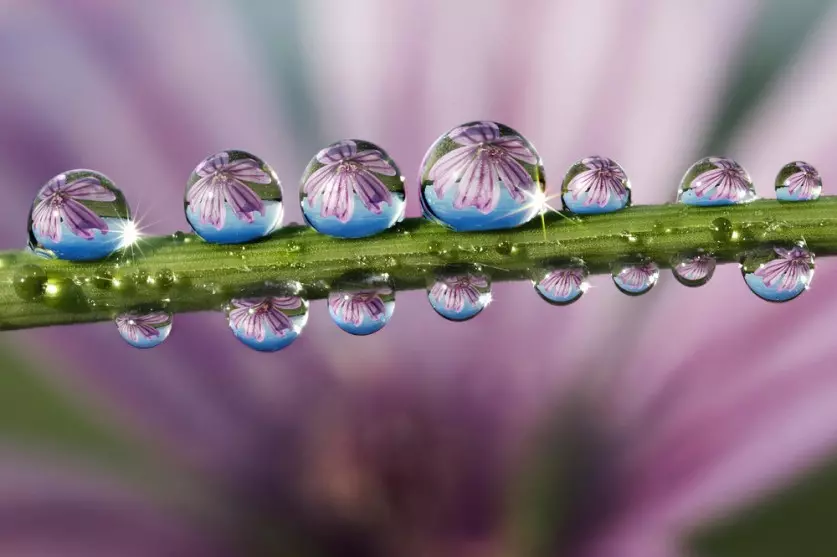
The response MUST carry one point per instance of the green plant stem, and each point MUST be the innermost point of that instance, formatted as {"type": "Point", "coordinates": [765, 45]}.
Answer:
{"type": "Point", "coordinates": [183, 273]}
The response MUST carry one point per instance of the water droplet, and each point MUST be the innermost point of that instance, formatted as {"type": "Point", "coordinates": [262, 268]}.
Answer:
{"type": "Point", "coordinates": [144, 329]}
{"type": "Point", "coordinates": [233, 197]}
{"type": "Point", "coordinates": [361, 304]}
{"type": "Point", "coordinates": [29, 282]}
{"type": "Point", "coordinates": [164, 279]}
{"type": "Point", "coordinates": [352, 189]}
{"type": "Point", "coordinates": [798, 181]}
{"type": "Point", "coordinates": [505, 248]}
{"type": "Point", "coordinates": [722, 230]}
{"type": "Point", "coordinates": [595, 185]}
{"type": "Point", "coordinates": [660, 229]}
{"type": "Point", "coordinates": [563, 284]}
{"type": "Point", "coordinates": [635, 278]}
{"type": "Point", "coordinates": [713, 181]}
{"type": "Point", "coordinates": [693, 269]}
{"type": "Point", "coordinates": [80, 215]}
{"type": "Point", "coordinates": [103, 279]}
{"type": "Point", "coordinates": [294, 247]}
{"type": "Point", "coordinates": [435, 248]}
{"type": "Point", "coordinates": [64, 294]}
{"type": "Point", "coordinates": [459, 293]}
{"type": "Point", "coordinates": [780, 273]}
{"type": "Point", "coordinates": [178, 236]}
{"type": "Point", "coordinates": [482, 176]}
{"type": "Point", "coordinates": [7, 259]}
{"type": "Point", "coordinates": [269, 323]}
{"type": "Point", "coordinates": [629, 238]}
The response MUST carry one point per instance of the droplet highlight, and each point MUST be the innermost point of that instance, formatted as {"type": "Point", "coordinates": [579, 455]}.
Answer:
{"type": "Point", "coordinates": [144, 329]}
{"type": "Point", "coordinates": [482, 176]}
{"type": "Point", "coordinates": [780, 273]}
{"type": "Point", "coordinates": [233, 197]}
{"type": "Point", "coordinates": [595, 185]}
{"type": "Point", "coordinates": [459, 294]}
{"type": "Point", "coordinates": [635, 278]}
{"type": "Point", "coordinates": [693, 270]}
{"type": "Point", "coordinates": [715, 181]}
{"type": "Point", "coordinates": [352, 189]}
{"type": "Point", "coordinates": [798, 181]}
{"type": "Point", "coordinates": [30, 282]}
{"type": "Point", "coordinates": [268, 323]}
{"type": "Point", "coordinates": [563, 284]}
{"type": "Point", "coordinates": [362, 305]}
{"type": "Point", "coordinates": [79, 215]}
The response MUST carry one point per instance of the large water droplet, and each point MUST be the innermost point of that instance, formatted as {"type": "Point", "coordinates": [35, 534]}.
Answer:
{"type": "Point", "coordinates": [459, 293]}
{"type": "Point", "coordinates": [595, 185]}
{"type": "Point", "coordinates": [30, 282]}
{"type": "Point", "coordinates": [563, 284]}
{"type": "Point", "coordinates": [352, 189]}
{"type": "Point", "coordinates": [144, 329]}
{"type": "Point", "coordinates": [798, 181]}
{"type": "Point", "coordinates": [269, 323]}
{"type": "Point", "coordinates": [362, 304]}
{"type": "Point", "coordinates": [694, 269]}
{"type": "Point", "coordinates": [80, 215]}
{"type": "Point", "coordinates": [780, 273]}
{"type": "Point", "coordinates": [233, 197]}
{"type": "Point", "coordinates": [713, 181]}
{"type": "Point", "coordinates": [635, 278]}
{"type": "Point", "coordinates": [482, 176]}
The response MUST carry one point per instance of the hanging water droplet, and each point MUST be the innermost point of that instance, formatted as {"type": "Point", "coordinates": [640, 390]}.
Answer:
{"type": "Point", "coordinates": [694, 269]}
{"type": "Point", "coordinates": [482, 176]}
{"type": "Point", "coordinates": [269, 323]}
{"type": "Point", "coordinates": [80, 215]}
{"type": "Point", "coordinates": [30, 282]}
{"type": "Point", "coordinates": [459, 293]}
{"type": "Point", "coordinates": [144, 329]}
{"type": "Point", "coordinates": [798, 181]}
{"type": "Point", "coordinates": [361, 304]}
{"type": "Point", "coordinates": [563, 284]}
{"type": "Point", "coordinates": [635, 278]}
{"type": "Point", "coordinates": [713, 181]}
{"type": "Point", "coordinates": [595, 185]}
{"type": "Point", "coordinates": [233, 197]}
{"type": "Point", "coordinates": [780, 273]}
{"type": "Point", "coordinates": [352, 189]}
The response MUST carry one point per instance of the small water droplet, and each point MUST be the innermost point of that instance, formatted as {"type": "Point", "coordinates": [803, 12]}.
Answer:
{"type": "Point", "coordinates": [635, 278]}
{"type": "Point", "coordinates": [798, 181]}
{"type": "Point", "coordinates": [693, 269]}
{"type": "Point", "coordinates": [29, 282]}
{"type": "Point", "coordinates": [435, 248]}
{"type": "Point", "coordinates": [505, 248]}
{"type": "Point", "coordinates": [660, 229]}
{"type": "Point", "coordinates": [269, 323]}
{"type": "Point", "coordinates": [564, 284]}
{"type": "Point", "coordinates": [628, 237]}
{"type": "Point", "coordinates": [64, 294]}
{"type": "Point", "coordinates": [594, 186]}
{"type": "Point", "coordinates": [178, 236]}
{"type": "Point", "coordinates": [714, 181]}
{"type": "Point", "coordinates": [780, 273]}
{"type": "Point", "coordinates": [459, 293]}
{"type": "Point", "coordinates": [7, 259]}
{"type": "Point", "coordinates": [140, 277]}
{"type": "Point", "coordinates": [164, 279]}
{"type": "Point", "coordinates": [294, 247]}
{"type": "Point", "coordinates": [144, 329]}
{"type": "Point", "coordinates": [722, 230]}
{"type": "Point", "coordinates": [361, 304]}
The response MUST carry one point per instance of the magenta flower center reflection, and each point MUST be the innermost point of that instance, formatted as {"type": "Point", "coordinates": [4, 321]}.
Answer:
{"type": "Point", "coordinates": [134, 326]}
{"type": "Point", "coordinates": [475, 168]}
{"type": "Point", "coordinates": [225, 182]}
{"type": "Point", "coordinates": [563, 282]}
{"type": "Point", "coordinates": [455, 292]}
{"type": "Point", "coordinates": [253, 317]}
{"type": "Point", "coordinates": [602, 179]}
{"type": "Point", "coordinates": [792, 267]}
{"type": "Point", "coordinates": [727, 181]}
{"type": "Point", "coordinates": [805, 181]}
{"type": "Point", "coordinates": [59, 202]}
{"type": "Point", "coordinates": [348, 173]}
{"type": "Point", "coordinates": [352, 307]}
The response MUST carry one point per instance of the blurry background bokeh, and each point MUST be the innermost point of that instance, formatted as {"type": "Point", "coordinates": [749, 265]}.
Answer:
{"type": "Point", "coordinates": [612, 428]}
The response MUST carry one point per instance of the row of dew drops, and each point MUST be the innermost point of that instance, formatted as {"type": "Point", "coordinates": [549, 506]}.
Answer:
{"type": "Point", "coordinates": [479, 176]}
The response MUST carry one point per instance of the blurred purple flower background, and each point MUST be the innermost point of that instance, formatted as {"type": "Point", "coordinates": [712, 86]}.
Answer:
{"type": "Point", "coordinates": [677, 408]}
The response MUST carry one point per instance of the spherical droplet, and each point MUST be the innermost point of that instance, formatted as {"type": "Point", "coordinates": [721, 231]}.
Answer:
{"type": "Point", "coordinates": [595, 185]}
{"type": "Point", "coordinates": [780, 273]}
{"type": "Point", "coordinates": [564, 284]}
{"type": "Point", "coordinates": [362, 305]}
{"type": "Point", "coordinates": [714, 181]}
{"type": "Point", "coordinates": [29, 282]}
{"type": "Point", "coordinates": [694, 269]}
{"type": "Point", "coordinates": [144, 329]}
{"type": "Point", "coordinates": [352, 189]}
{"type": "Point", "coordinates": [80, 215]}
{"type": "Point", "coordinates": [722, 230]}
{"type": "Point", "coordinates": [233, 197]}
{"type": "Point", "coordinates": [164, 279]}
{"type": "Point", "coordinates": [798, 181]}
{"type": "Point", "coordinates": [268, 323]}
{"type": "Point", "coordinates": [482, 176]}
{"type": "Point", "coordinates": [635, 278]}
{"type": "Point", "coordinates": [458, 293]}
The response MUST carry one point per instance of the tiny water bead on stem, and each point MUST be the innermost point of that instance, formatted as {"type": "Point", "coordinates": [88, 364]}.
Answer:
{"type": "Point", "coordinates": [798, 181]}
{"type": "Point", "coordinates": [595, 185]}
{"type": "Point", "coordinates": [714, 181]}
